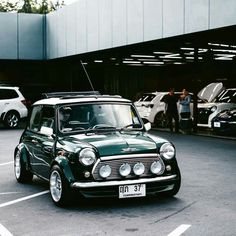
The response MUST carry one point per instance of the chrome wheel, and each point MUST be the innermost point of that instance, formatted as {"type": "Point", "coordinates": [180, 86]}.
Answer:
{"type": "Point", "coordinates": [17, 165]}
{"type": "Point", "coordinates": [56, 186]}
{"type": "Point", "coordinates": [12, 120]}
{"type": "Point", "coordinates": [21, 170]}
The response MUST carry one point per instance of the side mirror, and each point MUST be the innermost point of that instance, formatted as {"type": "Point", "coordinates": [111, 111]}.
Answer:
{"type": "Point", "coordinates": [147, 124]}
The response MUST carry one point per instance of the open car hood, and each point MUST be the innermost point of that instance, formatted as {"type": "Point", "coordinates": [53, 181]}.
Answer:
{"type": "Point", "coordinates": [210, 92]}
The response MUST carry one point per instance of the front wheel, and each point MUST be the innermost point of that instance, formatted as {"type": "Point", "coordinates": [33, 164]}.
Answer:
{"type": "Point", "coordinates": [59, 187]}
{"type": "Point", "coordinates": [11, 120]}
{"type": "Point", "coordinates": [21, 173]}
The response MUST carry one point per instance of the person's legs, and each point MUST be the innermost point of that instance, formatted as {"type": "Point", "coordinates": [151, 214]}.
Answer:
{"type": "Point", "coordinates": [176, 118]}
{"type": "Point", "coordinates": [169, 118]}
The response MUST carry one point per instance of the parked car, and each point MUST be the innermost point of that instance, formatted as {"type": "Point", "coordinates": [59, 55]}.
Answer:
{"type": "Point", "coordinates": [152, 108]}
{"type": "Point", "coordinates": [216, 99]}
{"type": "Point", "coordinates": [97, 145]}
{"type": "Point", "coordinates": [12, 106]}
{"type": "Point", "coordinates": [225, 122]}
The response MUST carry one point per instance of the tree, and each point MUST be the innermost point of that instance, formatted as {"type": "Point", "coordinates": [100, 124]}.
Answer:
{"type": "Point", "coordinates": [30, 6]}
{"type": "Point", "coordinates": [6, 6]}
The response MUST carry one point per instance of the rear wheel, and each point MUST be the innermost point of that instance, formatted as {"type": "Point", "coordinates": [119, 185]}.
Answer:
{"type": "Point", "coordinates": [59, 187]}
{"type": "Point", "coordinates": [160, 120]}
{"type": "Point", "coordinates": [11, 119]}
{"type": "Point", "coordinates": [21, 173]}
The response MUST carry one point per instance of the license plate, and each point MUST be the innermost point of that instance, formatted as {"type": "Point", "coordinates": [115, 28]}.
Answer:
{"type": "Point", "coordinates": [135, 190]}
{"type": "Point", "coordinates": [217, 124]}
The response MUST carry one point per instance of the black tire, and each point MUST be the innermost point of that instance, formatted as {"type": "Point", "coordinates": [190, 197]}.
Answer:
{"type": "Point", "coordinates": [160, 120]}
{"type": "Point", "coordinates": [11, 119]}
{"type": "Point", "coordinates": [21, 173]}
{"type": "Point", "coordinates": [59, 187]}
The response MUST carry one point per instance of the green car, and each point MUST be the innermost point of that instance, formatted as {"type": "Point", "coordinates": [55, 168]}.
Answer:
{"type": "Point", "coordinates": [95, 144]}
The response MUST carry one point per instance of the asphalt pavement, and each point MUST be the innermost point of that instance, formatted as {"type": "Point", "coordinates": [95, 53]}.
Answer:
{"type": "Point", "coordinates": [205, 205]}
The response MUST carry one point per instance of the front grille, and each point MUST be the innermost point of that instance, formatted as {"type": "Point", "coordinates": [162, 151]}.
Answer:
{"type": "Point", "coordinates": [116, 163]}
{"type": "Point", "coordinates": [203, 115]}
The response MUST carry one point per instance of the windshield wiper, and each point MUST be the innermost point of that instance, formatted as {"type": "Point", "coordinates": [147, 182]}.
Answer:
{"type": "Point", "coordinates": [131, 125]}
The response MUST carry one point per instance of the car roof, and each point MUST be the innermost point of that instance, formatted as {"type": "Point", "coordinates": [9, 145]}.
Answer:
{"type": "Point", "coordinates": [81, 99]}
{"type": "Point", "coordinates": [8, 87]}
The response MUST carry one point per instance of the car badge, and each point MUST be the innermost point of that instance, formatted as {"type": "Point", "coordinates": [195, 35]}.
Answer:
{"type": "Point", "coordinates": [129, 149]}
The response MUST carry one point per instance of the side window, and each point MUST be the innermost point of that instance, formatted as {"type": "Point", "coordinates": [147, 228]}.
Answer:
{"type": "Point", "coordinates": [47, 118]}
{"type": "Point", "coordinates": [34, 124]}
{"type": "Point", "coordinates": [42, 118]}
{"type": "Point", "coordinates": [8, 94]}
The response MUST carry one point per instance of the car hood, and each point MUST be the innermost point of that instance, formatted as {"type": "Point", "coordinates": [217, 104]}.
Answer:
{"type": "Point", "coordinates": [119, 143]}
{"type": "Point", "coordinates": [210, 92]}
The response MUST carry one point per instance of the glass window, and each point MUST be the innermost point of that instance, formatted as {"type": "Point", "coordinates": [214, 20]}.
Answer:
{"type": "Point", "coordinates": [8, 94]}
{"type": "Point", "coordinates": [147, 97]}
{"type": "Point", "coordinates": [42, 117]}
{"type": "Point", "coordinates": [92, 116]}
{"type": "Point", "coordinates": [34, 124]}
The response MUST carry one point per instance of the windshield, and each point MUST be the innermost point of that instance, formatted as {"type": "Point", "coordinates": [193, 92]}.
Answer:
{"type": "Point", "coordinates": [97, 116]}
{"type": "Point", "coordinates": [147, 97]}
{"type": "Point", "coordinates": [227, 96]}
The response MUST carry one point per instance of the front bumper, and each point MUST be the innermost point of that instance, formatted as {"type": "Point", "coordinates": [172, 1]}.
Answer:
{"type": "Point", "coordinates": [110, 188]}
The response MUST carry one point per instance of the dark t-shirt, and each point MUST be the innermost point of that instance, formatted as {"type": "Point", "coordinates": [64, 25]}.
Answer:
{"type": "Point", "coordinates": [171, 102]}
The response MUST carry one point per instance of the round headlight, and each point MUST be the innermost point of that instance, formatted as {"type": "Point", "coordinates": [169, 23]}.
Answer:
{"type": "Point", "coordinates": [139, 168]}
{"type": "Point", "coordinates": [213, 108]}
{"type": "Point", "coordinates": [87, 156]}
{"type": "Point", "coordinates": [125, 169]}
{"type": "Point", "coordinates": [156, 167]}
{"type": "Point", "coordinates": [105, 171]}
{"type": "Point", "coordinates": [167, 151]}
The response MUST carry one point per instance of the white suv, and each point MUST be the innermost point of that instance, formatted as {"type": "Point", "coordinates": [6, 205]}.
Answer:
{"type": "Point", "coordinates": [152, 108]}
{"type": "Point", "coordinates": [12, 106]}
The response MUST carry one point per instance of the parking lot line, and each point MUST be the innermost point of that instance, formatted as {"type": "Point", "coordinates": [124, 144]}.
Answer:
{"type": "Point", "coordinates": [6, 163]}
{"type": "Point", "coordinates": [179, 230]}
{"type": "Point", "coordinates": [4, 231]}
{"type": "Point", "coordinates": [23, 199]}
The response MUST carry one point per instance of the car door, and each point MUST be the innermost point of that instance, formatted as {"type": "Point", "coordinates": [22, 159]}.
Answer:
{"type": "Point", "coordinates": [39, 139]}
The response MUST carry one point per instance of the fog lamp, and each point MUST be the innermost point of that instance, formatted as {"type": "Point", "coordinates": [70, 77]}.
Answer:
{"type": "Point", "coordinates": [105, 171]}
{"type": "Point", "coordinates": [125, 169]}
{"type": "Point", "coordinates": [139, 168]}
{"type": "Point", "coordinates": [156, 167]}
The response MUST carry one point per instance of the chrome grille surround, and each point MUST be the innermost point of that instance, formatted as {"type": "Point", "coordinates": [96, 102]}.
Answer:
{"type": "Point", "coordinates": [116, 161]}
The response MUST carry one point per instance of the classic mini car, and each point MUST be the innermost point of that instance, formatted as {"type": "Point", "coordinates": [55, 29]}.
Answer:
{"type": "Point", "coordinates": [97, 145]}
{"type": "Point", "coordinates": [225, 122]}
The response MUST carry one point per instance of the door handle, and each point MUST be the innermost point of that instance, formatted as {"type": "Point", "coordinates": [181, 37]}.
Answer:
{"type": "Point", "coordinates": [47, 149]}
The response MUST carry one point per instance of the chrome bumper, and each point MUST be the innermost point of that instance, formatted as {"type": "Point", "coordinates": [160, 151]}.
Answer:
{"type": "Point", "coordinates": [121, 182]}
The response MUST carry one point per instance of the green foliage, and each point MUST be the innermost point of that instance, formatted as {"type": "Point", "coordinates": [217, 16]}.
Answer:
{"type": "Point", "coordinates": [30, 6]}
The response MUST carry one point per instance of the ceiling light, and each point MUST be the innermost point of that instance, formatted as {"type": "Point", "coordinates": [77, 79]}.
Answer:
{"type": "Point", "coordinates": [187, 49]}
{"type": "Point", "coordinates": [146, 59]}
{"type": "Point", "coordinates": [162, 53]}
{"type": "Point", "coordinates": [143, 56]}
{"type": "Point", "coordinates": [224, 58]}
{"type": "Point", "coordinates": [153, 62]}
{"type": "Point", "coordinates": [131, 62]}
{"type": "Point", "coordinates": [98, 61]}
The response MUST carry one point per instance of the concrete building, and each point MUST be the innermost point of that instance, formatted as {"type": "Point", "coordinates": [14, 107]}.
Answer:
{"type": "Point", "coordinates": [127, 46]}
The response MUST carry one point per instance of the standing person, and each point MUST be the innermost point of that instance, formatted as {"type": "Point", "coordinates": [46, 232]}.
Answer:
{"type": "Point", "coordinates": [171, 109]}
{"type": "Point", "coordinates": [184, 102]}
